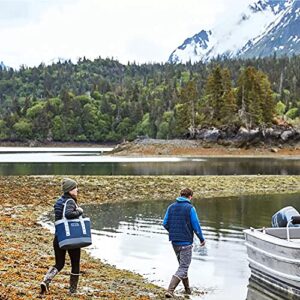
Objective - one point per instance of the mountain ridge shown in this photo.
(263, 28)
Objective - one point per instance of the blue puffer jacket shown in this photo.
(182, 222)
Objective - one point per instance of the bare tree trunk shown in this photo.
(280, 83)
(193, 114)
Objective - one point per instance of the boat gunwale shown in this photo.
(272, 255)
(272, 239)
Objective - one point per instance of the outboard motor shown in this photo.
(283, 216)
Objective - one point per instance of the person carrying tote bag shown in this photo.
(73, 233)
(67, 202)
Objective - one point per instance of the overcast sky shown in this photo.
(35, 31)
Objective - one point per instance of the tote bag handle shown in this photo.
(67, 228)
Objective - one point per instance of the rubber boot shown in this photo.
(172, 286)
(47, 279)
(73, 283)
(186, 285)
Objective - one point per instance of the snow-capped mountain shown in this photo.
(282, 36)
(265, 27)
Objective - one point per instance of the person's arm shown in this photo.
(165, 221)
(71, 210)
(196, 225)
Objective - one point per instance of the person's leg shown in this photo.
(75, 269)
(177, 250)
(59, 264)
(60, 255)
(185, 258)
(175, 280)
(186, 285)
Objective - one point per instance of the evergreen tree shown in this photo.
(186, 111)
(94, 100)
(254, 98)
(228, 115)
(219, 105)
(268, 103)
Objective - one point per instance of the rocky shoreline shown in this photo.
(277, 139)
(191, 147)
(241, 137)
(28, 250)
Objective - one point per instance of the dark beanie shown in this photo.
(68, 185)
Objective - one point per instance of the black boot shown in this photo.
(73, 283)
(186, 285)
(47, 279)
(172, 286)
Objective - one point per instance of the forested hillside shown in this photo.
(103, 100)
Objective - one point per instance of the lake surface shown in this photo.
(130, 236)
(91, 161)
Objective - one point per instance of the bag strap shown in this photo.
(65, 206)
(67, 229)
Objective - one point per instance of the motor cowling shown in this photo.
(283, 216)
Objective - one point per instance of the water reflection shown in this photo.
(260, 291)
(95, 164)
(130, 236)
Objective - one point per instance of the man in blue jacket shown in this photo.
(182, 222)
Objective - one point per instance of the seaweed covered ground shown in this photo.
(26, 247)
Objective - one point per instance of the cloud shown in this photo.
(129, 30)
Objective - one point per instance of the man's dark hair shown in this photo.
(186, 192)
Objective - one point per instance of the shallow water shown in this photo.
(91, 161)
(130, 236)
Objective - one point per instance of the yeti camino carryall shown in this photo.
(73, 233)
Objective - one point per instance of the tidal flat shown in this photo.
(26, 247)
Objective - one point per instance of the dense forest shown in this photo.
(103, 100)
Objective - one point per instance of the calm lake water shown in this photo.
(130, 236)
(91, 161)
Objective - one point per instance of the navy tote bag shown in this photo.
(73, 233)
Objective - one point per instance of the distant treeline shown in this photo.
(103, 100)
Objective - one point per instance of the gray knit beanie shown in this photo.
(68, 185)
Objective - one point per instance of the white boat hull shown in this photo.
(275, 261)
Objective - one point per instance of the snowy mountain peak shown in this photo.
(236, 37)
(275, 5)
(202, 38)
(194, 46)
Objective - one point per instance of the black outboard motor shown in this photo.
(295, 220)
(283, 216)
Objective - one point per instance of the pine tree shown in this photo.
(229, 110)
(189, 99)
(268, 103)
(256, 105)
(214, 95)
(219, 101)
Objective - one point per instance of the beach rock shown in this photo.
(246, 135)
(242, 136)
(285, 135)
(211, 135)
(272, 133)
